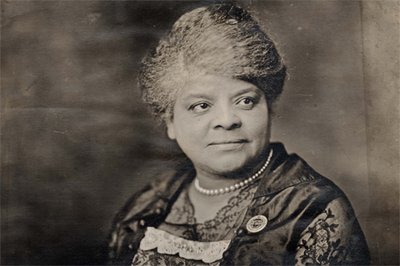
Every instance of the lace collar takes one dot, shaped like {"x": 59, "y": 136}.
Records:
{"x": 166, "y": 243}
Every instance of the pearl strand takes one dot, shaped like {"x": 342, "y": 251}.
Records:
{"x": 220, "y": 191}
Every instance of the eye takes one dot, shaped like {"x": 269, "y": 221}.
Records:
{"x": 200, "y": 107}
{"x": 246, "y": 102}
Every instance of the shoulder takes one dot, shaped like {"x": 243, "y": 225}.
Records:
{"x": 295, "y": 184}
{"x": 162, "y": 187}
{"x": 315, "y": 189}
{"x": 290, "y": 171}
{"x": 311, "y": 183}
{"x": 146, "y": 207}
{"x": 141, "y": 198}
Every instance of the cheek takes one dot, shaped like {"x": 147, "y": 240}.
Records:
{"x": 261, "y": 134}
{"x": 188, "y": 131}
{"x": 257, "y": 124}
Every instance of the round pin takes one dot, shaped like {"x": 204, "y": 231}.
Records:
{"x": 256, "y": 223}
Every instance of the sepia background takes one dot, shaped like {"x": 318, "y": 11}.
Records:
{"x": 76, "y": 141}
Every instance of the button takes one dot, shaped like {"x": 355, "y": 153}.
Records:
{"x": 240, "y": 232}
{"x": 130, "y": 246}
{"x": 256, "y": 224}
{"x": 142, "y": 222}
{"x": 158, "y": 211}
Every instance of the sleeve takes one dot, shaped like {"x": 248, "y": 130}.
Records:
{"x": 117, "y": 239}
{"x": 334, "y": 237}
{"x": 126, "y": 231}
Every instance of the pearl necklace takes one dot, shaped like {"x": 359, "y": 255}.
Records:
{"x": 220, "y": 191}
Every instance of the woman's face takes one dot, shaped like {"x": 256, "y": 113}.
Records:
{"x": 220, "y": 123}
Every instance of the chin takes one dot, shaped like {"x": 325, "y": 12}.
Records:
{"x": 225, "y": 166}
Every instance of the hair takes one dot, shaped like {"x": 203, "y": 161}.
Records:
{"x": 220, "y": 39}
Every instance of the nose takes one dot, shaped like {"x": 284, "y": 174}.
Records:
{"x": 226, "y": 118}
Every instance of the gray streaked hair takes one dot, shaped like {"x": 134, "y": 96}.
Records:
{"x": 220, "y": 39}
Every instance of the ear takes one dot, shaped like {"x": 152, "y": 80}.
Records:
{"x": 170, "y": 128}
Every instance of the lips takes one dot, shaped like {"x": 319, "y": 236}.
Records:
{"x": 228, "y": 142}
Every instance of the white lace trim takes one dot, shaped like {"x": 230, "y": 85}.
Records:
{"x": 167, "y": 243}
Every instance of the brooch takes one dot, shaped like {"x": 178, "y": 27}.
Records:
{"x": 256, "y": 224}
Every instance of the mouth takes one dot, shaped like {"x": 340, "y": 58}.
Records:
{"x": 228, "y": 142}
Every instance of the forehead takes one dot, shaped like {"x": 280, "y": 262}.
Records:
{"x": 213, "y": 86}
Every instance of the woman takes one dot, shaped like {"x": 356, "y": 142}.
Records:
{"x": 240, "y": 200}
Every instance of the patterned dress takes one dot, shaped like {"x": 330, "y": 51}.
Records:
{"x": 308, "y": 221}
{"x": 181, "y": 240}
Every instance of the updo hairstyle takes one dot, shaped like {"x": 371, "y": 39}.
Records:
{"x": 221, "y": 39}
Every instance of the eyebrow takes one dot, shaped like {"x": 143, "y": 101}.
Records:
{"x": 246, "y": 90}
{"x": 197, "y": 95}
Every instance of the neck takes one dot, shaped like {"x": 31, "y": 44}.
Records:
{"x": 212, "y": 181}
{"x": 209, "y": 180}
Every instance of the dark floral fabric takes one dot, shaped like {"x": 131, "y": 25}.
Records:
{"x": 182, "y": 222}
{"x": 310, "y": 220}
{"x": 327, "y": 240}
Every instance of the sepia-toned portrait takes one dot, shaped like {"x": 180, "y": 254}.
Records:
{"x": 249, "y": 132}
